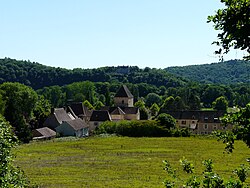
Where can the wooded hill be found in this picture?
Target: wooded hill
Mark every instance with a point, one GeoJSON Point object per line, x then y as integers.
{"type": "Point", "coordinates": [228, 72]}
{"type": "Point", "coordinates": [38, 76]}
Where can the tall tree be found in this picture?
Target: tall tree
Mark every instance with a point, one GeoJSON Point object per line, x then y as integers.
{"type": "Point", "coordinates": [154, 109]}
{"type": "Point", "coordinates": [234, 23]}
{"type": "Point", "coordinates": [220, 103]}
{"type": "Point", "coordinates": [152, 98]}
{"type": "Point", "coordinates": [20, 103]}
{"type": "Point", "coordinates": [166, 121]}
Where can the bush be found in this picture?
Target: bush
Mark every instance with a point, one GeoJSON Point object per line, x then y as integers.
{"type": "Point", "coordinates": [10, 176]}
{"type": "Point", "coordinates": [135, 128]}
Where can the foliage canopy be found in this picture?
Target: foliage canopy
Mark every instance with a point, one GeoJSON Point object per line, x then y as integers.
{"type": "Point", "coordinates": [234, 23]}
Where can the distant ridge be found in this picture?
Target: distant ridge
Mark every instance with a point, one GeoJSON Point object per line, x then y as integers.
{"type": "Point", "coordinates": [227, 72]}
{"type": "Point", "coordinates": [38, 76]}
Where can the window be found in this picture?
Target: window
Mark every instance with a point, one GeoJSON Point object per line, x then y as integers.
{"type": "Point", "coordinates": [215, 127]}
{"type": "Point", "coordinates": [183, 122]}
{"type": "Point", "coordinates": [193, 121]}
{"type": "Point", "coordinates": [96, 123]}
{"type": "Point", "coordinates": [205, 126]}
{"type": "Point", "coordinates": [122, 101]}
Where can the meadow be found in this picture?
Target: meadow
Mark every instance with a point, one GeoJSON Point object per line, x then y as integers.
{"type": "Point", "coordinates": [120, 161]}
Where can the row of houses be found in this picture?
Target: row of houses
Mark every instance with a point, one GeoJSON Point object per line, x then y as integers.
{"type": "Point", "coordinates": [77, 120]}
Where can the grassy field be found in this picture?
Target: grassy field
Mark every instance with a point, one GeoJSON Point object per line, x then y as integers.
{"type": "Point", "coordinates": [120, 161]}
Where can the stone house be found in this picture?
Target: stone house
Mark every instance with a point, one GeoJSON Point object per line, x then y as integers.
{"type": "Point", "coordinates": [57, 116]}
{"type": "Point", "coordinates": [66, 123]}
{"type": "Point", "coordinates": [76, 127]}
{"type": "Point", "coordinates": [98, 117]}
{"type": "Point", "coordinates": [199, 122]}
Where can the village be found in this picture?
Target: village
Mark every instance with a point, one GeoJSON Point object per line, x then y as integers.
{"type": "Point", "coordinates": [77, 120]}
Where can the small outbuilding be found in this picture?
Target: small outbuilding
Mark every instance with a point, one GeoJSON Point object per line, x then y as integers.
{"type": "Point", "coordinates": [43, 133]}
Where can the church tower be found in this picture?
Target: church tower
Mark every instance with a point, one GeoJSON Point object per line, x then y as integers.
{"type": "Point", "coordinates": [124, 98]}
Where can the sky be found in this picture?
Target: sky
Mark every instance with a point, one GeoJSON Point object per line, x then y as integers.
{"type": "Point", "coordinates": [97, 33]}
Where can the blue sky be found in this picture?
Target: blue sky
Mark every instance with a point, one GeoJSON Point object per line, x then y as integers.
{"type": "Point", "coordinates": [98, 33]}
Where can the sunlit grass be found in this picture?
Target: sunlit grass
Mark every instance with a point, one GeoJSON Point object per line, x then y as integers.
{"type": "Point", "coordinates": [120, 161]}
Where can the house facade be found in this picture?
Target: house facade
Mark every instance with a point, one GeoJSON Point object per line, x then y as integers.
{"type": "Point", "coordinates": [199, 122]}
{"type": "Point", "coordinates": [98, 117]}
{"type": "Point", "coordinates": [76, 127]}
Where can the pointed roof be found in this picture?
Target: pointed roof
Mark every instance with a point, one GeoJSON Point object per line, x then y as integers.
{"type": "Point", "coordinates": [100, 115]}
{"type": "Point", "coordinates": [77, 124]}
{"type": "Point", "coordinates": [61, 115]}
{"type": "Point", "coordinates": [124, 92]}
{"type": "Point", "coordinates": [117, 111]}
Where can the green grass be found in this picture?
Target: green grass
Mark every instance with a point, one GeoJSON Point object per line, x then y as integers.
{"type": "Point", "coordinates": [120, 161]}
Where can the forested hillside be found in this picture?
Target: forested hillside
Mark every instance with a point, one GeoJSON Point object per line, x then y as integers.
{"type": "Point", "coordinates": [38, 76]}
{"type": "Point", "coordinates": [228, 72]}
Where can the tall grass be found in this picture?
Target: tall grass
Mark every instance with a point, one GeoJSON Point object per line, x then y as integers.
{"type": "Point", "coordinates": [120, 161]}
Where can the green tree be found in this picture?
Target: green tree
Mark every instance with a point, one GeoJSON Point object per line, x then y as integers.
{"type": "Point", "coordinates": [166, 121]}
{"type": "Point", "coordinates": [143, 110]}
{"type": "Point", "coordinates": [10, 176]}
{"type": "Point", "coordinates": [241, 121]}
{"type": "Point", "coordinates": [233, 22]}
{"type": "Point", "coordinates": [194, 102]}
{"type": "Point", "coordinates": [152, 98]}
{"type": "Point", "coordinates": [20, 103]}
{"type": "Point", "coordinates": [169, 103]}
{"type": "Point", "coordinates": [154, 109]}
{"type": "Point", "coordinates": [179, 104]}
{"type": "Point", "coordinates": [220, 103]}
{"type": "Point", "coordinates": [55, 95]}
{"type": "Point", "coordinates": [98, 105]}
{"type": "Point", "coordinates": [88, 104]}
{"type": "Point", "coordinates": [211, 93]}
{"type": "Point", "coordinates": [41, 111]}
{"type": "Point", "coordinates": [2, 105]}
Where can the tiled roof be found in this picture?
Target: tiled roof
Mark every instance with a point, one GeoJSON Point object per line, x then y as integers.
{"type": "Point", "coordinates": [44, 132]}
{"type": "Point", "coordinates": [100, 115]}
{"type": "Point", "coordinates": [77, 124]}
{"type": "Point", "coordinates": [124, 92]}
{"type": "Point", "coordinates": [61, 115]}
{"type": "Point", "coordinates": [79, 109]}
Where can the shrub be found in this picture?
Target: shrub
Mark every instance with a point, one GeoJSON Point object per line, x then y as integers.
{"type": "Point", "coordinates": [10, 176]}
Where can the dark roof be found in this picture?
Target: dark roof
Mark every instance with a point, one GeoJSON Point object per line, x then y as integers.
{"type": "Point", "coordinates": [79, 109]}
{"type": "Point", "coordinates": [61, 115]}
{"type": "Point", "coordinates": [77, 124]}
{"type": "Point", "coordinates": [100, 115]}
{"type": "Point", "coordinates": [124, 92]}
{"type": "Point", "coordinates": [201, 116]}
{"type": "Point", "coordinates": [130, 110]}
{"type": "Point", "coordinates": [126, 110]}
{"type": "Point", "coordinates": [44, 132]}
